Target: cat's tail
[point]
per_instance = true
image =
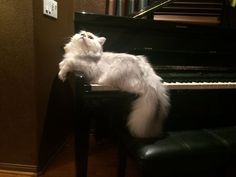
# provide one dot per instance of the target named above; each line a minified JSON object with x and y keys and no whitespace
{"x":149,"y":110}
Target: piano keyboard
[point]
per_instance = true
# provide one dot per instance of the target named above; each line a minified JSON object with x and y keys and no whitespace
{"x":178,"y":86}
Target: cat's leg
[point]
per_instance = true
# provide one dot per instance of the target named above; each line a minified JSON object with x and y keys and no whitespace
{"x":61,"y":64}
{"x":65,"y":67}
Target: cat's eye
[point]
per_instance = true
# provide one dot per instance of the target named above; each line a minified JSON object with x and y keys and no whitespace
{"x":90,"y":37}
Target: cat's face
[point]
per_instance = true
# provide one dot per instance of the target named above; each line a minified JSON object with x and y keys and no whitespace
{"x":86,"y":43}
{"x":89,"y":39}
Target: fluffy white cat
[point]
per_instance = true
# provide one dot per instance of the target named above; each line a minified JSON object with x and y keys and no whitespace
{"x":127,"y":72}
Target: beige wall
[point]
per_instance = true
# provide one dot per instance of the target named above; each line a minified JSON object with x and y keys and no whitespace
{"x":17,"y":82}
{"x":50,"y":35}
{"x":30,"y":49}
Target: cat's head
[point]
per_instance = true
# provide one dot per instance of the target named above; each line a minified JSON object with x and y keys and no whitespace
{"x":86,"y":44}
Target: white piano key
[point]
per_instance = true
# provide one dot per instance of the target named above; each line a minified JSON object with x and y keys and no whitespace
{"x":200,"y":85}
{"x":178,"y":86}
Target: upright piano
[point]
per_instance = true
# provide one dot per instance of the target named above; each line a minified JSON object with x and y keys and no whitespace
{"x":195,"y":61}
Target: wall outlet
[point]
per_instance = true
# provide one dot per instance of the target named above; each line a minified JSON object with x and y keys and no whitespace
{"x":50,"y":8}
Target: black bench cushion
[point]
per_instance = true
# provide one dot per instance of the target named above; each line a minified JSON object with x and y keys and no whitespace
{"x":184,"y":152}
{"x":228,"y":137}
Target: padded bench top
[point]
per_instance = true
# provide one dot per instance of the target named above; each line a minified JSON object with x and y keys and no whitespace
{"x":186,"y":150}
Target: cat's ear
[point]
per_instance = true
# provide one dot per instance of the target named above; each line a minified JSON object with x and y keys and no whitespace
{"x":101,"y":40}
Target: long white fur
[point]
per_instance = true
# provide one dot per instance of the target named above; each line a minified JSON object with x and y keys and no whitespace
{"x":127,"y":72}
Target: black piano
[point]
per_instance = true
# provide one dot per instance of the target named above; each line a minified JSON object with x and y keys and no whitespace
{"x":196,"y":61}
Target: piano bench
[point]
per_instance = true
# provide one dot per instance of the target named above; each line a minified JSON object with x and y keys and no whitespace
{"x":204,"y":152}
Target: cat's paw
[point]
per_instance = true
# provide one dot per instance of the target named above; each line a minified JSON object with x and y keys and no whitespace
{"x":62,"y":76}
{"x":61,"y":64}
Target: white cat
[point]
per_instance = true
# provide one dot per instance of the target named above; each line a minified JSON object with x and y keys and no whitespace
{"x":127,"y":72}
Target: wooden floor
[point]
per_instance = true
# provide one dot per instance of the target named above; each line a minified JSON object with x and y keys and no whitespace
{"x":102,"y":162}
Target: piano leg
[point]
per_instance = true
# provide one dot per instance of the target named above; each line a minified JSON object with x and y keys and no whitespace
{"x":81,"y":130}
{"x":122,"y":160}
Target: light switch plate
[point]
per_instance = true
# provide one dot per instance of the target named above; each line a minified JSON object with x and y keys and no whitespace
{"x":50,"y":8}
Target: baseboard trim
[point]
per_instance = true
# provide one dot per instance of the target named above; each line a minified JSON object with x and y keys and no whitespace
{"x":30,"y":170}
{"x":18,"y":169}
